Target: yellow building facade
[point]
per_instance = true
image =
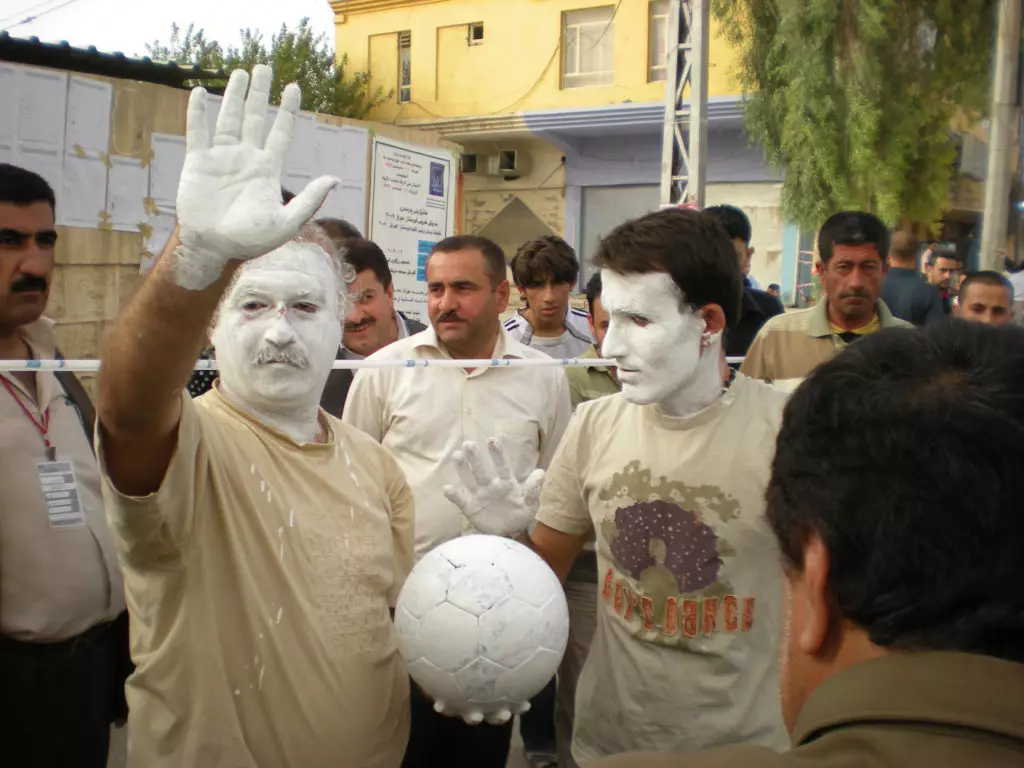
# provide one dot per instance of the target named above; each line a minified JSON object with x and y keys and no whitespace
{"x":559,"y":106}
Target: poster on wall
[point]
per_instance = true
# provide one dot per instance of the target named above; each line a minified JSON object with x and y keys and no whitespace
{"x":412,"y":207}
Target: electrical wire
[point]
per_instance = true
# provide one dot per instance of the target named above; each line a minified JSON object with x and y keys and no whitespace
{"x":30,"y":19}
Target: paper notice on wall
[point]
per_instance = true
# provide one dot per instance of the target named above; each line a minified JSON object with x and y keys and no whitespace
{"x":127,"y":190}
{"x":165,"y":169}
{"x":45,"y":161}
{"x":412,"y":207}
{"x":213,"y":103}
{"x":160,"y":228}
{"x":83,"y":195}
{"x":8,"y":95}
{"x":42,"y":100}
{"x":88,"y":116}
{"x":6,"y":153}
{"x":340,"y":151}
{"x":299,"y":159}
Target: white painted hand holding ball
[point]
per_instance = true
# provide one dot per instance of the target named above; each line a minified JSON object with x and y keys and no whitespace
{"x":492,"y":499}
{"x":229,"y":196}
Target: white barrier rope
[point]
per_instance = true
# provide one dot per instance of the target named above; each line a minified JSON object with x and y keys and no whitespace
{"x":91,"y":366}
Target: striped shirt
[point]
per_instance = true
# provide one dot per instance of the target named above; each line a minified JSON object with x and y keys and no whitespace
{"x":574,"y":341}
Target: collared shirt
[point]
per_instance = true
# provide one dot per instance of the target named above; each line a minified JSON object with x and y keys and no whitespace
{"x":403,"y":333}
{"x":55,"y":583}
{"x":913,"y":709}
{"x":792,"y":345}
{"x":591,"y":382}
{"x":757,"y":307}
{"x":573,"y":342}
{"x":424,"y":415}
{"x":909,"y":297}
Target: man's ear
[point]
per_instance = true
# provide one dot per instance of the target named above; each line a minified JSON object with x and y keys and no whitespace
{"x":714,"y":317}
{"x":819,"y":267}
{"x":390,"y":290}
{"x":819,"y":610}
{"x":502,"y":291}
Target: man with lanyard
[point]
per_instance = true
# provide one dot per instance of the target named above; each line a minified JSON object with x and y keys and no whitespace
{"x":62,"y":655}
{"x":852,"y":247}
{"x":545,"y":271}
{"x":670,"y":474}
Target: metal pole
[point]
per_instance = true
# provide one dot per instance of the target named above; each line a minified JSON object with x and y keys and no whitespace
{"x":684,"y":137}
{"x":1005,"y":112}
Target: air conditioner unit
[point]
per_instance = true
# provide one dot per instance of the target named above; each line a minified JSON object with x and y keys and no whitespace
{"x":508,"y":163}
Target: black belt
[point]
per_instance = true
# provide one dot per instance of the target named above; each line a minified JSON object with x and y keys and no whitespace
{"x":101,"y":633}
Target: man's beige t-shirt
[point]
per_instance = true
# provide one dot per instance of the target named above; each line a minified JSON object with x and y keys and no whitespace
{"x":689,"y":576}
{"x":259,"y":578}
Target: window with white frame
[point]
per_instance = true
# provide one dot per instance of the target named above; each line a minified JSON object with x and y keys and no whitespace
{"x":588,"y":47}
{"x":657,"y":41}
{"x":404,"y":67}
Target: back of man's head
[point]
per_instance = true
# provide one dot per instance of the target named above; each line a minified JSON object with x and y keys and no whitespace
{"x":542,"y":259}
{"x":338,"y":229}
{"x":691,"y":246}
{"x":19,"y":186}
{"x":852,"y":228}
{"x":903,"y":250}
{"x":902,"y":459}
{"x":733,"y":220}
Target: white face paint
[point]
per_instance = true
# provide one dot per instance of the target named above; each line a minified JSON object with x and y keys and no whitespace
{"x":277,"y":335}
{"x":655,"y":340}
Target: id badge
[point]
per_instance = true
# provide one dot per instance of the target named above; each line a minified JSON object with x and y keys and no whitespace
{"x":60,"y":494}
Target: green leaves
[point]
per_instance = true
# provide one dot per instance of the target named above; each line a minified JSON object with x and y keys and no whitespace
{"x":297,"y":56}
{"x":855,"y":99}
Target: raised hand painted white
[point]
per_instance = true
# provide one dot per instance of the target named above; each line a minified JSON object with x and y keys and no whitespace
{"x":482,"y":625}
{"x":276,"y":337}
{"x":656,"y":342}
{"x":229,"y":196}
{"x":493,"y":500}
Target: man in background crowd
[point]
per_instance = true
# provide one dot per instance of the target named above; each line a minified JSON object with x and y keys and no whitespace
{"x":757,"y":306}
{"x":884,"y":663}
{"x":905,"y":292}
{"x":774,"y":290}
{"x":852,"y":246}
{"x":63,"y":657}
{"x":336,"y":229}
{"x":373,"y":322}
{"x":985,"y":297}
{"x":425,"y":416}
{"x":591,"y":382}
{"x":940,"y":268}
{"x":545,"y":271}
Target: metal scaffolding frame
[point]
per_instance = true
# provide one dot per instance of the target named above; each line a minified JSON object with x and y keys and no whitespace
{"x":684,"y":140}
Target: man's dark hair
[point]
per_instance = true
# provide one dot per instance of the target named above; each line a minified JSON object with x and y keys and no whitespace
{"x":494,"y":257}
{"x":20,"y":186}
{"x":853,"y":228}
{"x":940,"y":253}
{"x":733,"y":220}
{"x":905,"y":455}
{"x":338,"y":229}
{"x":774,"y":286}
{"x":542,"y":259}
{"x":362,"y":254}
{"x":691,"y":246}
{"x":985,"y":277}
{"x":286,"y":195}
{"x":593,"y":291}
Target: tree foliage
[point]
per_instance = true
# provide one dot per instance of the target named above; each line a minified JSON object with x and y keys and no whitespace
{"x":296,"y":56}
{"x":855,"y":99}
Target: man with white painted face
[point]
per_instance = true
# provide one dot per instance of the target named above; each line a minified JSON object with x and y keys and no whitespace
{"x":263,"y":541}
{"x":670,"y":474}
{"x":425,"y":416}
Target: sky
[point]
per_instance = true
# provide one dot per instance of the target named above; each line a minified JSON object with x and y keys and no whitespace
{"x":127,"y":25}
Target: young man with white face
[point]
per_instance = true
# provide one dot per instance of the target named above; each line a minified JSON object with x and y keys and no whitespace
{"x":670,"y":474}
{"x":263,"y":542}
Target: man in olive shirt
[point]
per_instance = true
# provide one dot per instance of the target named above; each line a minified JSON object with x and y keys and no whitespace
{"x":593,"y":382}
{"x":903,"y":637}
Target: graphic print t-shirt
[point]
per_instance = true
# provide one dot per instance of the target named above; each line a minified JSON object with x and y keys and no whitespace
{"x":689,"y":585}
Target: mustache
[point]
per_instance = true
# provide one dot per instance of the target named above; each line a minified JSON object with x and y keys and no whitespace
{"x":269,"y":355}
{"x":29,"y":283}
{"x":857,"y":293}
{"x":360,"y":325}
{"x":448,"y":317}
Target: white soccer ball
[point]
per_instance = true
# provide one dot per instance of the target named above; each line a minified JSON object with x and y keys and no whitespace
{"x":482,"y":625}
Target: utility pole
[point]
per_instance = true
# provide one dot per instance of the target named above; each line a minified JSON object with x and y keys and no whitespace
{"x":684,"y":140}
{"x":1005,"y":116}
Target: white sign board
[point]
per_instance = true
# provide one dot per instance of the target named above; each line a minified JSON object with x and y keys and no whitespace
{"x":412,"y":207}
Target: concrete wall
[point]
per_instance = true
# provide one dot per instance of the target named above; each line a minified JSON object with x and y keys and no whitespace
{"x":516,"y":68}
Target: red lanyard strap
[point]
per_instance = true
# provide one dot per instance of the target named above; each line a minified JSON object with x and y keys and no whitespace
{"x":43,"y":426}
